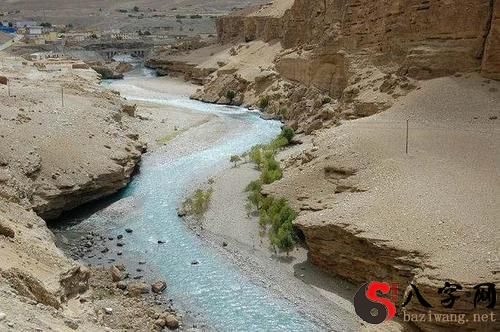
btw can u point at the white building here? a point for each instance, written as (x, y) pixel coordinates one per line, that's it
(35, 30)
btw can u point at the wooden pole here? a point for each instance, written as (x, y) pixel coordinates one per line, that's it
(8, 87)
(407, 131)
(62, 96)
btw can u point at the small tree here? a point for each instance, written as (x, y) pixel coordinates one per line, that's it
(235, 159)
(288, 133)
(136, 9)
(231, 94)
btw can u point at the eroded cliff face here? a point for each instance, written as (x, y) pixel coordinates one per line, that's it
(346, 49)
(420, 35)
(54, 157)
(347, 59)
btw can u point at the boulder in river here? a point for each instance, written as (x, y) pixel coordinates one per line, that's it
(158, 286)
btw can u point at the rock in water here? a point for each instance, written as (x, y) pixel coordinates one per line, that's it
(128, 230)
(159, 286)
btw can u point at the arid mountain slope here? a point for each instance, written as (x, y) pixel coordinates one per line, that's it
(344, 51)
(368, 210)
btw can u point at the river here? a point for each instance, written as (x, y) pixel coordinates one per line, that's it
(221, 296)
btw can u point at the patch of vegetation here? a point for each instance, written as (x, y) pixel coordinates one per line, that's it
(197, 205)
(275, 214)
(326, 100)
(180, 16)
(264, 102)
(235, 159)
(171, 136)
(283, 112)
(231, 94)
(196, 16)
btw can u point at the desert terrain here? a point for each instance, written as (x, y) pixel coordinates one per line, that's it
(391, 174)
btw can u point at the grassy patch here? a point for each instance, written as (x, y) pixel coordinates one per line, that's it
(197, 205)
(167, 138)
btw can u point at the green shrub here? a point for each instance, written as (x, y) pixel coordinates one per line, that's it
(264, 102)
(279, 215)
(198, 204)
(275, 214)
(288, 133)
(256, 155)
(326, 100)
(235, 159)
(283, 112)
(230, 94)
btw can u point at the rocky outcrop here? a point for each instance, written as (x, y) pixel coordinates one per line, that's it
(54, 157)
(70, 154)
(329, 44)
(189, 71)
(419, 35)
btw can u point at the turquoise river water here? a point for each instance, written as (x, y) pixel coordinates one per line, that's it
(221, 296)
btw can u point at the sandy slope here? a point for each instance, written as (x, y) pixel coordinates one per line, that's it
(441, 200)
(324, 299)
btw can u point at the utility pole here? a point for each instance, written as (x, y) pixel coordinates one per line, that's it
(62, 96)
(8, 87)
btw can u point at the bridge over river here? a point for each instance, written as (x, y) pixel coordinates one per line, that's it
(109, 49)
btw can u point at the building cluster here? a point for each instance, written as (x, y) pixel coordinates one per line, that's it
(32, 32)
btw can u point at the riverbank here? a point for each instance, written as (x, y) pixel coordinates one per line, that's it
(233, 231)
(66, 141)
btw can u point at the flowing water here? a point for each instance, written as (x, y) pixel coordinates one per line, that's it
(221, 296)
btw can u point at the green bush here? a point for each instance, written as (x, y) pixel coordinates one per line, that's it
(231, 94)
(198, 204)
(235, 159)
(279, 215)
(264, 102)
(326, 100)
(275, 214)
(288, 133)
(283, 112)
(256, 155)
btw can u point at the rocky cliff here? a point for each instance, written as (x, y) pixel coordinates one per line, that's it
(346, 59)
(63, 143)
(344, 50)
